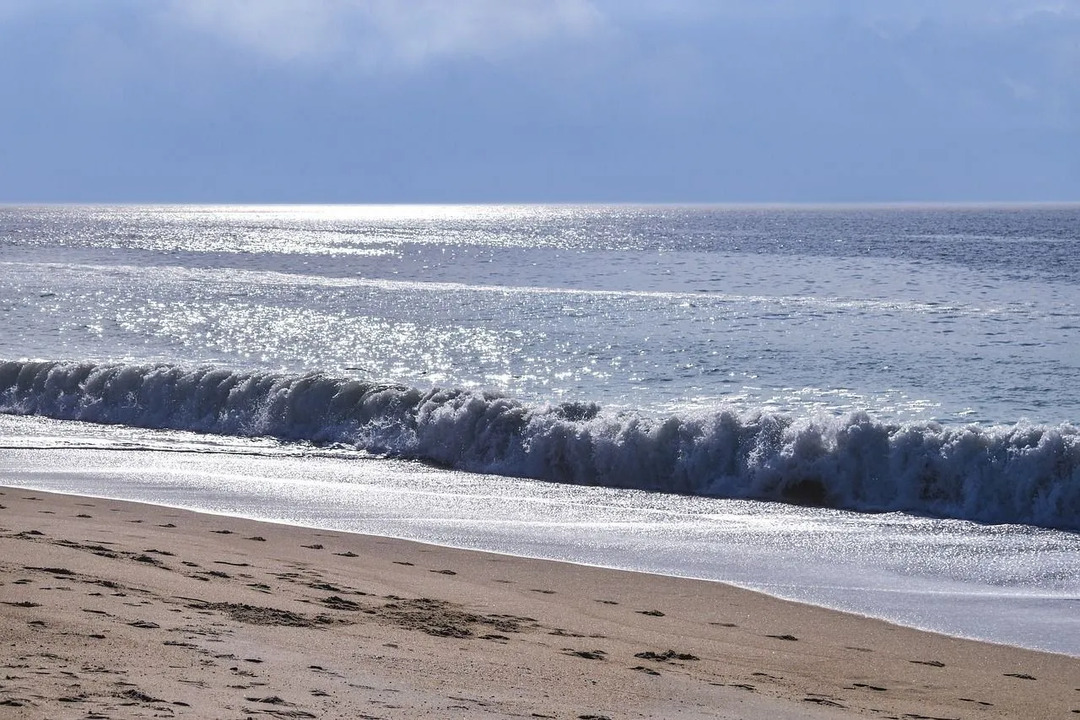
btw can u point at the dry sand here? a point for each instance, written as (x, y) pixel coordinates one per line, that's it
(120, 610)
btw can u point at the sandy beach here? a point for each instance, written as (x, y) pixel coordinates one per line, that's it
(114, 610)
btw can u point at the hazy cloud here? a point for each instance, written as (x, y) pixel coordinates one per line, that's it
(408, 100)
(374, 34)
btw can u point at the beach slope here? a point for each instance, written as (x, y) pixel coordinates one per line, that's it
(111, 609)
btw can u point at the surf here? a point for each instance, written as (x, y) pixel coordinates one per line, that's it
(1021, 473)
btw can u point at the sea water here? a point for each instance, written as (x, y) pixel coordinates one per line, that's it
(905, 375)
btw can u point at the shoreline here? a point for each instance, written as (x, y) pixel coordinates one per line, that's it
(505, 554)
(121, 608)
(886, 565)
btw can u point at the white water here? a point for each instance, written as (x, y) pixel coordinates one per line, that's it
(1020, 474)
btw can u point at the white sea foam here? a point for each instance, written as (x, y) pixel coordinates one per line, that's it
(1022, 473)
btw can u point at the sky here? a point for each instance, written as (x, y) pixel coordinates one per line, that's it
(414, 101)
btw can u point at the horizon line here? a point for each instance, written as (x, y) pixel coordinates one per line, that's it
(548, 203)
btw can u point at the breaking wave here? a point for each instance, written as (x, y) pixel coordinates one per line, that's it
(1021, 473)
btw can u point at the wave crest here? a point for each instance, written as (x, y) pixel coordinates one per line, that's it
(1018, 474)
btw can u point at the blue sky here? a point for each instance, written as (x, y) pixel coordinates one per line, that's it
(539, 100)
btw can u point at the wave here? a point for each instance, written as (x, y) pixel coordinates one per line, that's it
(1023, 473)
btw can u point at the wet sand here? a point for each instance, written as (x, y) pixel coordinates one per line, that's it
(120, 610)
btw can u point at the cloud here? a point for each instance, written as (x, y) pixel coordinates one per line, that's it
(906, 12)
(386, 34)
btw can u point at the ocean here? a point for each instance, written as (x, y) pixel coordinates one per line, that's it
(867, 407)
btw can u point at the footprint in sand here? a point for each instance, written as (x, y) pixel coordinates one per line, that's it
(651, 613)
(140, 696)
(823, 701)
(24, 604)
(985, 704)
(789, 638)
(271, 700)
(55, 571)
(665, 656)
(559, 632)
